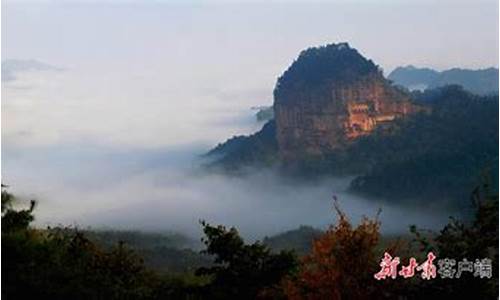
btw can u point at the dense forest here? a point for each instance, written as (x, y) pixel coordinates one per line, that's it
(66, 263)
(441, 155)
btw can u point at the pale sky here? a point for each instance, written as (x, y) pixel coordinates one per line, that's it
(161, 65)
(439, 34)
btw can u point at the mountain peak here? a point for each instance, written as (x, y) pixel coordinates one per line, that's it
(329, 96)
(323, 65)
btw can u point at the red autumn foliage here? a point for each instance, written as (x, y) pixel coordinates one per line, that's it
(341, 264)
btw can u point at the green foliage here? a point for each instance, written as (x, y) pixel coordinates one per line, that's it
(472, 240)
(167, 253)
(14, 220)
(62, 263)
(241, 270)
(62, 266)
(439, 156)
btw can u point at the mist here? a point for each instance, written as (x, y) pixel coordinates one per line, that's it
(107, 107)
(166, 190)
(143, 191)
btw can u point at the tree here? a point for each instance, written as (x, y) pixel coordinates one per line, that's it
(476, 239)
(13, 220)
(61, 263)
(341, 264)
(243, 271)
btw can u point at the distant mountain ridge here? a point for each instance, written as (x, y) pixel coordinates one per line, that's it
(481, 82)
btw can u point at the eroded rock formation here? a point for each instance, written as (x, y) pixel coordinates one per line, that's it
(348, 97)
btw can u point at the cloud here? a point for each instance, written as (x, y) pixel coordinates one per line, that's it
(112, 140)
(118, 107)
(164, 189)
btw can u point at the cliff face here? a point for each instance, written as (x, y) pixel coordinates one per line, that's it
(318, 114)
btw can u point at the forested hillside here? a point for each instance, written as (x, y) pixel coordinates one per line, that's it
(438, 155)
(62, 263)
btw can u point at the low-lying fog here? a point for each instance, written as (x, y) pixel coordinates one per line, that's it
(111, 150)
(94, 153)
(163, 191)
(105, 127)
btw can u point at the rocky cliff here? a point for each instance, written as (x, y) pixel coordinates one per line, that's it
(330, 105)
(330, 96)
